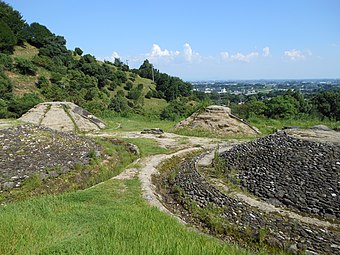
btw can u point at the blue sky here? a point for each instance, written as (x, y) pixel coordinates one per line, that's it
(202, 40)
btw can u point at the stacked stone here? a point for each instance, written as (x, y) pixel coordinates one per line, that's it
(283, 232)
(284, 170)
(29, 150)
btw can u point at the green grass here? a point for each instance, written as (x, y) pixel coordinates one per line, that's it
(200, 132)
(268, 126)
(26, 52)
(135, 123)
(110, 218)
(147, 146)
(154, 106)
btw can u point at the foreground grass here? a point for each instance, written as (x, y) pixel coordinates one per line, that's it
(110, 218)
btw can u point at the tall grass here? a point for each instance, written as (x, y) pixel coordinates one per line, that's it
(110, 218)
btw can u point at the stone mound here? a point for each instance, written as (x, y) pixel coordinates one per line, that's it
(285, 170)
(219, 120)
(29, 150)
(63, 116)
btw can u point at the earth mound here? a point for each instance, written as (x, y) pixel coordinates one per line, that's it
(219, 120)
(63, 116)
(29, 150)
(282, 169)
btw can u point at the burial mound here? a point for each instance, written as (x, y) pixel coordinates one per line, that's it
(219, 120)
(63, 116)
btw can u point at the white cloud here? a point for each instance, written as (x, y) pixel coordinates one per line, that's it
(115, 55)
(187, 52)
(296, 54)
(224, 55)
(244, 58)
(265, 51)
(156, 51)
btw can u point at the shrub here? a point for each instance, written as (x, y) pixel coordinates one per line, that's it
(25, 66)
(6, 61)
(20, 105)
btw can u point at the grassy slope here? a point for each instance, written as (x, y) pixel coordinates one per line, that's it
(25, 84)
(110, 218)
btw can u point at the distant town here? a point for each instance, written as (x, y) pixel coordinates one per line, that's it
(249, 87)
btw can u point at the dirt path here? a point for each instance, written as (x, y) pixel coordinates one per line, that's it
(148, 166)
(184, 145)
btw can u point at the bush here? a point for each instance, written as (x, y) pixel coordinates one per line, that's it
(128, 85)
(5, 86)
(7, 38)
(4, 113)
(20, 105)
(6, 61)
(25, 66)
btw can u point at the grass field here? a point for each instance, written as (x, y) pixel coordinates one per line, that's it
(110, 218)
(135, 123)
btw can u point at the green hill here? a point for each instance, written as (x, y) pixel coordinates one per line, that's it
(36, 66)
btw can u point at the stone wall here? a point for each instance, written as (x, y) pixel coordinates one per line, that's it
(280, 169)
(283, 232)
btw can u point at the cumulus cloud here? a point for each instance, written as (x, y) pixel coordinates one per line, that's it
(265, 51)
(115, 55)
(244, 57)
(187, 54)
(296, 54)
(156, 52)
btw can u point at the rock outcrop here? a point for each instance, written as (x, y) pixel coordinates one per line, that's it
(219, 120)
(63, 116)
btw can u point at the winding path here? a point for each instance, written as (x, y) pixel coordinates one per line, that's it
(148, 167)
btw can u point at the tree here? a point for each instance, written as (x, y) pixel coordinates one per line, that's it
(78, 51)
(119, 103)
(7, 38)
(145, 70)
(12, 18)
(328, 104)
(282, 107)
(38, 35)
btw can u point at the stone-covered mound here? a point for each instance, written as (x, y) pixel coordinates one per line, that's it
(219, 120)
(285, 170)
(29, 150)
(63, 116)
